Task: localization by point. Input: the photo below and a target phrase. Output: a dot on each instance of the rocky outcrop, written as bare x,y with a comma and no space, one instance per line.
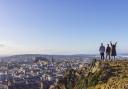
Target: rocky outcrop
99,75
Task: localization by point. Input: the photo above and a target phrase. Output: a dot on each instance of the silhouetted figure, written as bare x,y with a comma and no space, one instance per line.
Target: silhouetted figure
113,54
108,52
102,50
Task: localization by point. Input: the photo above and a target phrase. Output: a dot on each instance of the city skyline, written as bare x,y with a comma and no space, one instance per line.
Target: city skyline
62,26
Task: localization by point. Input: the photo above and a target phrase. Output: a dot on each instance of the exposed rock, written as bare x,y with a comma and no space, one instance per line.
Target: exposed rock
100,75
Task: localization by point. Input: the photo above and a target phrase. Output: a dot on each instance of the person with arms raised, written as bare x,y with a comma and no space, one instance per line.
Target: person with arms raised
113,47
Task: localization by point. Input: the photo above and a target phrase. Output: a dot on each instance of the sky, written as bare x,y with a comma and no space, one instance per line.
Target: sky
62,26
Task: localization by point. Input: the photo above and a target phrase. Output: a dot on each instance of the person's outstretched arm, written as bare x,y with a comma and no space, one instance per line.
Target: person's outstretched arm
115,43
111,43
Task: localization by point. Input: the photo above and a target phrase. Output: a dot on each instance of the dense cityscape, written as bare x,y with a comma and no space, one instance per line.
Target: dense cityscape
37,72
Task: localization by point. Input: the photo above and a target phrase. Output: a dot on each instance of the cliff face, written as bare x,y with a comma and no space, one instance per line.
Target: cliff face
117,77
100,75
113,76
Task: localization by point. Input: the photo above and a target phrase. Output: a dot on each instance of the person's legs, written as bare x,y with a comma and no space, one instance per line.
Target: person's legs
114,57
106,55
103,56
109,57
100,56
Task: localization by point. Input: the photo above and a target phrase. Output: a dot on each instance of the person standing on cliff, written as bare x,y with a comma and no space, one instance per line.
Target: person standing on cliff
113,53
108,52
102,51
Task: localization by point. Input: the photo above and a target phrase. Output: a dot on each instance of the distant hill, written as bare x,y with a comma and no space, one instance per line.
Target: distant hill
31,57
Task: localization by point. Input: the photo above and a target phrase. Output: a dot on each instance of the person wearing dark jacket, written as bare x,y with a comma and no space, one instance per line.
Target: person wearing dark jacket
113,53
102,51
108,52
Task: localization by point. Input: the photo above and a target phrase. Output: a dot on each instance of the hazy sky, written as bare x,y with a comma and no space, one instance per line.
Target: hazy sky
62,26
